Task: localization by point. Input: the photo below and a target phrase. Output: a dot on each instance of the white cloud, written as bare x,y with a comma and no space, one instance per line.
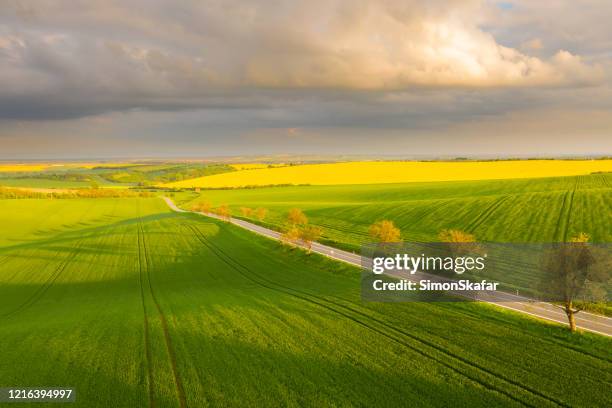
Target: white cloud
217,68
173,54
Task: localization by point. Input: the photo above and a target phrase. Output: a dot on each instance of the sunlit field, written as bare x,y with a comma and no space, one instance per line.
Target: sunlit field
136,306
16,168
51,166
522,210
68,175
397,172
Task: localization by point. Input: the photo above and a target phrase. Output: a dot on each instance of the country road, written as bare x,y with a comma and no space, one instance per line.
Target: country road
584,320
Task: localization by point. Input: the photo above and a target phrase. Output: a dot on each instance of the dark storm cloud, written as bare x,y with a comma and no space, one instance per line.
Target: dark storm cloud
211,71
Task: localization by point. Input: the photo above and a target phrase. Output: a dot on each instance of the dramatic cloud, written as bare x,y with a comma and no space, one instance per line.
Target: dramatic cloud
92,56
285,64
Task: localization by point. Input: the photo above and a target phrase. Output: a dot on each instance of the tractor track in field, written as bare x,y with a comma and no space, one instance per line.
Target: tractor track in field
378,326
341,229
42,289
568,216
162,318
516,328
565,214
147,341
486,214
476,317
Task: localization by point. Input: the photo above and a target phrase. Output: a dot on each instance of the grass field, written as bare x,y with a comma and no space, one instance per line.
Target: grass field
532,210
397,172
33,182
132,304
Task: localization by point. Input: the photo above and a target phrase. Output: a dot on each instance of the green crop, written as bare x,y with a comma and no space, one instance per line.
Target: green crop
136,306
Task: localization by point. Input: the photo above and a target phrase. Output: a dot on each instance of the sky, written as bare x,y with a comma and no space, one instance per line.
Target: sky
181,78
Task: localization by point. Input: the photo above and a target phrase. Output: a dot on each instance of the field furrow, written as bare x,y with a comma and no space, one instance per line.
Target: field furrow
163,309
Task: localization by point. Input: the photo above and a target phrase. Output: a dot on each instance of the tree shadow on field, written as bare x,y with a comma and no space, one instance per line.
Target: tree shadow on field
97,384
238,368
104,261
102,230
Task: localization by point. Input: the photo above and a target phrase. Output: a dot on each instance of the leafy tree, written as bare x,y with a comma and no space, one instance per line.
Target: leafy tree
246,211
308,234
202,206
384,232
205,206
570,269
296,217
291,235
459,242
224,212
454,235
261,213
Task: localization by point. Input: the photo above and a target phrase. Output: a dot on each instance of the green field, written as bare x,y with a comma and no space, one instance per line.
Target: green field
525,210
113,175
159,173
137,306
58,181
33,182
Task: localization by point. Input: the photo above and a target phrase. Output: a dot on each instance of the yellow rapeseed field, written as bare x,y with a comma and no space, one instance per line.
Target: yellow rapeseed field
14,168
397,172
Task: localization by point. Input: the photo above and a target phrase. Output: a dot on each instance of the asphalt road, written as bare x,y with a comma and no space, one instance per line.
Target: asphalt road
584,320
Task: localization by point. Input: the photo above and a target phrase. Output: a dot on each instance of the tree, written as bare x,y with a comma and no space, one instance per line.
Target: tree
459,242
296,217
203,206
261,213
291,235
454,235
569,269
246,211
384,232
224,212
308,234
